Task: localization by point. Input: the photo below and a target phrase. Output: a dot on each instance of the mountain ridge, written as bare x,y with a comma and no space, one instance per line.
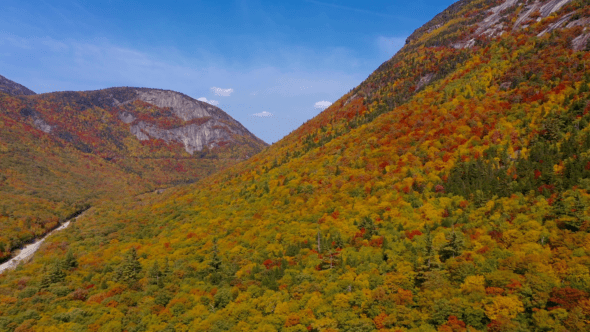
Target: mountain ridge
13,88
183,107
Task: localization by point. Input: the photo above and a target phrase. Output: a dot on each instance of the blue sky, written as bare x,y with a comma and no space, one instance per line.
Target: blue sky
271,65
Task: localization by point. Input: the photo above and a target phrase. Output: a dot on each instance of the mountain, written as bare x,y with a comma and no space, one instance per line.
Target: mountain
150,114
447,192
61,152
13,88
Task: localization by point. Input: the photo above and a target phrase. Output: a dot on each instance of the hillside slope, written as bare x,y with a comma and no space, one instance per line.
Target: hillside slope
447,192
63,151
12,88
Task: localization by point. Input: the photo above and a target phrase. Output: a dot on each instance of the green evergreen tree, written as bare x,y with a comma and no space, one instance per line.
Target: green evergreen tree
166,271
154,274
53,275
46,279
130,268
429,251
429,262
104,284
215,262
45,282
70,261
369,226
452,248
215,265
57,274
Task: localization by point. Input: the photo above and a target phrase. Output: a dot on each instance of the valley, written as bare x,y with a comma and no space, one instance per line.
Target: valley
61,152
27,252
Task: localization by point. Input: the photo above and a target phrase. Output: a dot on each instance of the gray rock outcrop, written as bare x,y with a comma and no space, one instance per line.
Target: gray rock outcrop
194,137
218,126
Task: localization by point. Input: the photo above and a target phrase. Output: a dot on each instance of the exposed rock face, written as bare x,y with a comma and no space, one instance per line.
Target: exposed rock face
581,42
202,125
194,137
183,106
496,22
424,80
489,26
37,120
544,8
126,117
42,125
13,88
220,127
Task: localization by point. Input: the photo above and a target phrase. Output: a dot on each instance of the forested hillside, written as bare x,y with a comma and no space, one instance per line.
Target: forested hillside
447,192
62,152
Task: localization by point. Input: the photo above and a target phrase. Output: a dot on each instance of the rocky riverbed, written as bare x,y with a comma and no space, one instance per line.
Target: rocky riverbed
28,251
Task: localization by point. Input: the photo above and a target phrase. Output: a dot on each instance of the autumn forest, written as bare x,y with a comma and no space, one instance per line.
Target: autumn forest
450,191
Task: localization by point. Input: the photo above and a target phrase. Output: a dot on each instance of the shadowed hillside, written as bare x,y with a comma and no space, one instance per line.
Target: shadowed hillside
13,88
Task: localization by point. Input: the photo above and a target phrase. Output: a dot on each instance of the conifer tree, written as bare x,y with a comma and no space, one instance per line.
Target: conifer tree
369,226
216,262
69,261
57,274
130,268
53,275
428,249
166,270
46,279
154,275
429,263
452,248
215,265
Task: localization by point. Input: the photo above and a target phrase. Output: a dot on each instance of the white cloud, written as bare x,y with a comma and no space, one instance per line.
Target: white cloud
263,114
322,104
222,92
211,101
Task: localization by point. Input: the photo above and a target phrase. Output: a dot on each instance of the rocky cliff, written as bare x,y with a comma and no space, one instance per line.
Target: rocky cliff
500,18
197,125
217,127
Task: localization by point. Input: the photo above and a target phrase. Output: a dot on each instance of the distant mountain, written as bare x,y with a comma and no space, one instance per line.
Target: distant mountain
150,114
63,151
13,88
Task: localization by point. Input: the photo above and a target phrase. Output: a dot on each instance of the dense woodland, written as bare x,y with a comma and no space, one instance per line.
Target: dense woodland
87,157
447,192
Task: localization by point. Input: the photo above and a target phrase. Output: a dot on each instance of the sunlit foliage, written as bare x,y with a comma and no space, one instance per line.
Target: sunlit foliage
459,205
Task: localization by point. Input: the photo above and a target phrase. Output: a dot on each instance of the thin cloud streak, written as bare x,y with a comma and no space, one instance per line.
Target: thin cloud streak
263,114
358,10
222,92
